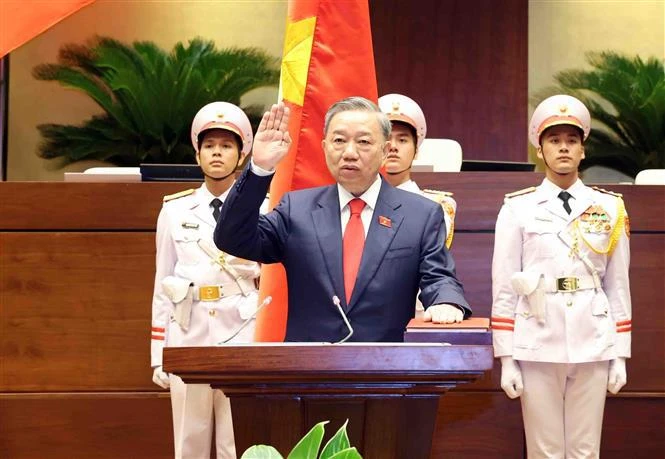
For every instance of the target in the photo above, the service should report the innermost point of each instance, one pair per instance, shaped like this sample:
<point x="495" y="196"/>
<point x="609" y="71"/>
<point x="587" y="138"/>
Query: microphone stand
<point x="346" y="320"/>
<point x="265" y="303"/>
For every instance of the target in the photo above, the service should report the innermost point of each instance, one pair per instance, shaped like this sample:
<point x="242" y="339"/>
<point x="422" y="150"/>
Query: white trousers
<point x="196" y="408"/>
<point x="562" y="408"/>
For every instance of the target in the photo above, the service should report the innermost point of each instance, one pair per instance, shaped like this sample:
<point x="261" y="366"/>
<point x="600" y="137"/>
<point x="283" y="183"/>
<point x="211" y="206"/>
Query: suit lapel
<point x="328" y="230"/>
<point x="378" y="238"/>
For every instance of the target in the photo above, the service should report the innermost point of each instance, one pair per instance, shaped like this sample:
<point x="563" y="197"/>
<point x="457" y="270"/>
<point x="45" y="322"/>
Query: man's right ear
<point x="539" y="152"/>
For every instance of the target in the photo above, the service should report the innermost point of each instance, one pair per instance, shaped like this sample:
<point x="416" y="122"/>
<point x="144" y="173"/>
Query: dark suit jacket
<point x="304" y="233"/>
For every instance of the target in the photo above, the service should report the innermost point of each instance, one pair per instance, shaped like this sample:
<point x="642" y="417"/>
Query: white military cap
<point x="404" y="109"/>
<point x="223" y="115"/>
<point x="556" y="110"/>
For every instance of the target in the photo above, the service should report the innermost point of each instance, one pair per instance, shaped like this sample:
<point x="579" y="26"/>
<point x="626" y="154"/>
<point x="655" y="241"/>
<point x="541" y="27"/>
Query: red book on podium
<point x="475" y="330"/>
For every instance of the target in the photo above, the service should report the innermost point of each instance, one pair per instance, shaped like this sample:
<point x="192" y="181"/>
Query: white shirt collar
<point x="205" y="196"/>
<point x="409" y="185"/>
<point x="370" y="196"/>
<point x="551" y="191"/>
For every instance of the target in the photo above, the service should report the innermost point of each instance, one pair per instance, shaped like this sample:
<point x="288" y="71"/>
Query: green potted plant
<point x="308" y="447"/>
<point x="148" y="97"/>
<point x="626" y="98"/>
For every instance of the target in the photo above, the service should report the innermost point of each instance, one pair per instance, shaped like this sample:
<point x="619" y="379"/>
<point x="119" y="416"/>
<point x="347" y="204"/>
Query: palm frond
<point x="149" y="96"/>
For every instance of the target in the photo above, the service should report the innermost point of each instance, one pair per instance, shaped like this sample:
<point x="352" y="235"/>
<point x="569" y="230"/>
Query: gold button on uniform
<point x="569" y="303"/>
<point x="212" y="313"/>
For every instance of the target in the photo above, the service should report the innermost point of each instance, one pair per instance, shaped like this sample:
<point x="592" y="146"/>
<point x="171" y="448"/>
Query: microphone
<point x="265" y="303"/>
<point x="335" y="300"/>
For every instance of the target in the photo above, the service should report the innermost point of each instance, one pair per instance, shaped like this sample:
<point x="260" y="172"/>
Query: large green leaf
<point x="261" y="452"/>
<point x="338" y="442"/>
<point x="308" y="446"/>
<point x="349" y="453"/>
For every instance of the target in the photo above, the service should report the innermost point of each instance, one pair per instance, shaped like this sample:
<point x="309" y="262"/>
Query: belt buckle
<point x="567" y="284"/>
<point x="210" y="293"/>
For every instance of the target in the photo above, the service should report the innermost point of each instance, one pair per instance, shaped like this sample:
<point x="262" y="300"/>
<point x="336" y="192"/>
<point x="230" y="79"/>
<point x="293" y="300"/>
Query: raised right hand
<point x="272" y="139"/>
<point x="511" y="377"/>
<point x="160" y="378"/>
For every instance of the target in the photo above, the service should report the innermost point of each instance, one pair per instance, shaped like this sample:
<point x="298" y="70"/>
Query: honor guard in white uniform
<point x="409" y="129"/>
<point x="202" y="296"/>
<point x="561" y="312"/>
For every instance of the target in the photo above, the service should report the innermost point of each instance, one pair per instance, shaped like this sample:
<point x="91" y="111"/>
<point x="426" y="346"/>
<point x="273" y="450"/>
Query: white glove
<point x="443" y="314"/>
<point x="511" y="377"/>
<point x="160" y="378"/>
<point x="617" y="375"/>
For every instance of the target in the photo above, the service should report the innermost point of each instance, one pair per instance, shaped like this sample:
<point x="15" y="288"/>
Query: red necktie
<point x="354" y="241"/>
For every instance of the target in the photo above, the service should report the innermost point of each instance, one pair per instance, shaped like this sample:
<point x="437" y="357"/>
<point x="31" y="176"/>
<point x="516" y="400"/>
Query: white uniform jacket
<point x="444" y="198"/>
<point x="183" y="313"/>
<point x="540" y="252"/>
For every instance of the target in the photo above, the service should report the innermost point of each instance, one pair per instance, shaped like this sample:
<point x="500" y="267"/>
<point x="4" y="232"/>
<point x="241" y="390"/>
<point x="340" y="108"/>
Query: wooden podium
<point x="389" y="392"/>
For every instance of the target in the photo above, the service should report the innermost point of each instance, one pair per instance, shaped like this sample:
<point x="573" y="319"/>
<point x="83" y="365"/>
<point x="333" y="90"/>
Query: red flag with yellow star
<point x="22" y="20"/>
<point x="327" y="56"/>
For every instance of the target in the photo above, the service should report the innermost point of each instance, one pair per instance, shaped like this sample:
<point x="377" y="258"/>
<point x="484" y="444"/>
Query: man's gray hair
<point x="360" y="104"/>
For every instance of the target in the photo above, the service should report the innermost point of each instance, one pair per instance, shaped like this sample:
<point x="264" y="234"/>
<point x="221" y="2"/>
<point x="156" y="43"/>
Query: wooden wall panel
<point x="76" y="311"/>
<point x="465" y="63"/>
<point x="646" y="369"/>
<point x="633" y="428"/>
<point x="472" y="253"/>
<point x="100" y="426"/>
<point x="478" y="425"/>
<point x="60" y="205"/>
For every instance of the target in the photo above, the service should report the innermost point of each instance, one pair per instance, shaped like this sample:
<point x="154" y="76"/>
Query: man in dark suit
<point x="360" y="243"/>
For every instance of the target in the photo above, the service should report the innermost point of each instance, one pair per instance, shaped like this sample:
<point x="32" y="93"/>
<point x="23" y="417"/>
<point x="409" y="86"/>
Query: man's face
<point x="218" y="156"/>
<point x="561" y="149"/>
<point x="355" y="147"/>
<point x="402" y="149"/>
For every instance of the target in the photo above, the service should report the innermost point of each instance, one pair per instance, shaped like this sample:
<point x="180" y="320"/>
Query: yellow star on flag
<point x="295" y="62"/>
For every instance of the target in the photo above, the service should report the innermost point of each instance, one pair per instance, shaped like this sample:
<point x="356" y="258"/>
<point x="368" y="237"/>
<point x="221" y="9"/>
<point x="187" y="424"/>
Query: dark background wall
<point x="465" y="63"/>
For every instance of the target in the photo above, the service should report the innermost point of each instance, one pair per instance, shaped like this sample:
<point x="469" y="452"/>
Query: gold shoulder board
<point x="437" y="196"/>
<point x="180" y="194"/>
<point x="531" y="189"/>
<point x="603" y="190"/>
